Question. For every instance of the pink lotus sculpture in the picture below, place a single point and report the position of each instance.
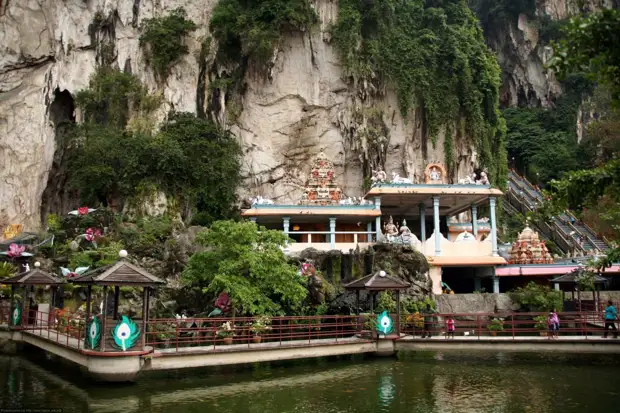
(82, 211)
(16, 251)
(92, 234)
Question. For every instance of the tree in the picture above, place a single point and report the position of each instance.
(591, 45)
(248, 263)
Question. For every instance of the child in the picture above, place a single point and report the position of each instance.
(553, 321)
(450, 327)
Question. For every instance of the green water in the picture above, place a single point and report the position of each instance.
(422, 382)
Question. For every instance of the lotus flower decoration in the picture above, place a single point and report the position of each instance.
(16, 251)
(92, 234)
(16, 315)
(384, 323)
(125, 333)
(82, 211)
(72, 274)
(223, 302)
(307, 269)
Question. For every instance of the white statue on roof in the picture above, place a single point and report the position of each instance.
(484, 180)
(378, 177)
(396, 179)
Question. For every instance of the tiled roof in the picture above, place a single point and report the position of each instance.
(121, 273)
(34, 277)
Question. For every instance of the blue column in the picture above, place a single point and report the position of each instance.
(378, 220)
(496, 285)
(332, 230)
(474, 220)
(422, 223)
(436, 231)
(492, 202)
(369, 230)
(287, 223)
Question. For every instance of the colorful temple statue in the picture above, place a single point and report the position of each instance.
(529, 249)
(321, 188)
(390, 230)
(12, 231)
(435, 173)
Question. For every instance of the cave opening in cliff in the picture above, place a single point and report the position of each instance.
(58, 197)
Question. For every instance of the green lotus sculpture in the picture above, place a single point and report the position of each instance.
(384, 323)
(16, 315)
(94, 333)
(125, 334)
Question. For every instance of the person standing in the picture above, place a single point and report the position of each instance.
(553, 322)
(428, 321)
(611, 315)
(450, 324)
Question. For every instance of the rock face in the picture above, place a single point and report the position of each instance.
(48, 50)
(522, 54)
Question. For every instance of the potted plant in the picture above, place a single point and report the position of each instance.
(496, 324)
(259, 326)
(541, 324)
(226, 333)
(370, 323)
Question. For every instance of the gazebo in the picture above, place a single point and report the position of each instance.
(571, 280)
(374, 283)
(28, 280)
(123, 273)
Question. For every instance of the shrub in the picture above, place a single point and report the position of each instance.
(162, 40)
(535, 297)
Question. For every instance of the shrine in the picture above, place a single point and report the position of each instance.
(529, 249)
(460, 246)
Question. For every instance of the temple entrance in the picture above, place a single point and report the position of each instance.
(466, 280)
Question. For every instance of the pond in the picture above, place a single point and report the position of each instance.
(429, 382)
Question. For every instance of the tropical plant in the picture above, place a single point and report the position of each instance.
(386, 302)
(260, 325)
(249, 264)
(541, 322)
(225, 330)
(496, 324)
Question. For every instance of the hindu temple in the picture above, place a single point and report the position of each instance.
(436, 217)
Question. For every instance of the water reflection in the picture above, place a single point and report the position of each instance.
(422, 382)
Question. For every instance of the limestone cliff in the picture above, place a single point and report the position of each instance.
(49, 48)
(522, 53)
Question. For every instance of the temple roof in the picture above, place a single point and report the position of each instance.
(378, 281)
(121, 273)
(34, 277)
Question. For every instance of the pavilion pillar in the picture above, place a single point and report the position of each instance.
(398, 313)
(474, 220)
(368, 232)
(556, 286)
(492, 202)
(378, 232)
(117, 290)
(422, 223)
(89, 295)
(145, 310)
(357, 302)
(286, 223)
(436, 232)
(103, 317)
(332, 232)
(496, 285)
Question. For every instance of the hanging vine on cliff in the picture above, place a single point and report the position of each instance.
(434, 55)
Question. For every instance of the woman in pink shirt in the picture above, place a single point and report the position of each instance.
(553, 322)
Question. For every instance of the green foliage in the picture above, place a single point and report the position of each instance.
(112, 96)
(496, 324)
(190, 158)
(386, 302)
(436, 59)
(147, 236)
(162, 40)
(96, 258)
(541, 322)
(591, 46)
(6, 270)
(543, 142)
(250, 29)
(248, 263)
(535, 297)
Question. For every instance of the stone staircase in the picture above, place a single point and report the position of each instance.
(564, 230)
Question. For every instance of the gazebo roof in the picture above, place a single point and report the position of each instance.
(380, 280)
(121, 273)
(572, 278)
(34, 277)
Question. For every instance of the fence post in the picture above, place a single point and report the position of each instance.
(512, 318)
